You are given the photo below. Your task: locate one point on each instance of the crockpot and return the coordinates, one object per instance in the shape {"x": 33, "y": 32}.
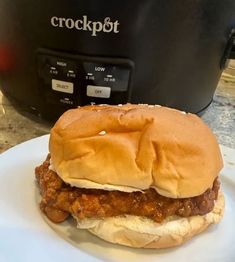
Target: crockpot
{"x": 56, "y": 55}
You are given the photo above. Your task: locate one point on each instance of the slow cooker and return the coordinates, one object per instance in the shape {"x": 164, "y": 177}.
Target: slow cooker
{"x": 56, "y": 55}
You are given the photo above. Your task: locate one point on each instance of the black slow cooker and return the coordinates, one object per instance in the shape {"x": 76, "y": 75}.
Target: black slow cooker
{"x": 56, "y": 55}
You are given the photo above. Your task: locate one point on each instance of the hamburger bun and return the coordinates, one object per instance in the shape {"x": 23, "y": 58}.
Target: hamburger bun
{"x": 133, "y": 148}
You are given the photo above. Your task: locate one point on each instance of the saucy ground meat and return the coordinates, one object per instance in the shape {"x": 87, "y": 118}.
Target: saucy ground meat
{"x": 60, "y": 200}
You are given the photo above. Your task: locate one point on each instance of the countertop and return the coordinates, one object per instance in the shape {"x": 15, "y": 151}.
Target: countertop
{"x": 18, "y": 126}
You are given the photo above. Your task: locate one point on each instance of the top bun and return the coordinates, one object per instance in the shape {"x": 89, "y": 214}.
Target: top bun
{"x": 135, "y": 147}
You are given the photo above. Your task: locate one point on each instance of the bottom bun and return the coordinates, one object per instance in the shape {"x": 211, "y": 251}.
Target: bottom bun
{"x": 142, "y": 232}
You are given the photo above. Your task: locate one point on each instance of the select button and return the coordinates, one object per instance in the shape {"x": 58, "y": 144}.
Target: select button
{"x": 62, "y": 86}
{"x": 98, "y": 91}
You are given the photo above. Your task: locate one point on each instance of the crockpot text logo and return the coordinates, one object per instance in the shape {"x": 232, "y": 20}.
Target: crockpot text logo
{"x": 85, "y": 24}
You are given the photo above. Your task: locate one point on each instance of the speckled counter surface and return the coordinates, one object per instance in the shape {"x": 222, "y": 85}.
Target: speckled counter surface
{"x": 220, "y": 116}
{"x": 17, "y": 127}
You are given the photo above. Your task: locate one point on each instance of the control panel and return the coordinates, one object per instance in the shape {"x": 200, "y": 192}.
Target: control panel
{"x": 71, "y": 80}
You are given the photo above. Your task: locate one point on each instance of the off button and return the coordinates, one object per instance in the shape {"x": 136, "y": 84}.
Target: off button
{"x": 98, "y": 91}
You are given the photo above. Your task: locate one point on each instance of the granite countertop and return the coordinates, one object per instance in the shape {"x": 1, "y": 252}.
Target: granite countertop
{"x": 17, "y": 126}
{"x": 220, "y": 116}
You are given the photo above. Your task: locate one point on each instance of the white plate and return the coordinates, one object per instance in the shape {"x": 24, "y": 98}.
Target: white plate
{"x": 24, "y": 235}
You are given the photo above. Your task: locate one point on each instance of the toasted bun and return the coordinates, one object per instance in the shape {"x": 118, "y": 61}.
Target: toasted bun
{"x": 135, "y": 147}
{"x": 139, "y": 232}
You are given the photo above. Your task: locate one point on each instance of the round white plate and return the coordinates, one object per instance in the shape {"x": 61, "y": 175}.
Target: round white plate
{"x": 25, "y": 236}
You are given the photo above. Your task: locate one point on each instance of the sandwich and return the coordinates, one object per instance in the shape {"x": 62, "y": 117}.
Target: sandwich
{"x": 137, "y": 175}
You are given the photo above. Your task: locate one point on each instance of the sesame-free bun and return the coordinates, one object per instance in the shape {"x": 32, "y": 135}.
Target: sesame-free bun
{"x": 135, "y": 147}
{"x": 142, "y": 232}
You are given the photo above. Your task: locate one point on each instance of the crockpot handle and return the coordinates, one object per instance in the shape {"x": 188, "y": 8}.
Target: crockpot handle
{"x": 229, "y": 52}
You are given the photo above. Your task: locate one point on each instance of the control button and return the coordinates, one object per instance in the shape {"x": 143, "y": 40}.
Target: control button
{"x": 62, "y": 86}
{"x": 71, "y": 73}
{"x": 90, "y": 76}
{"x": 53, "y": 70}
{"x": 98, "y": 91}
{"x": 109, "y": 78}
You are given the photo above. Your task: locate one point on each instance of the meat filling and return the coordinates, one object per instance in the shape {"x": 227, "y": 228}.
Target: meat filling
{"x": 60, "y": 200}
